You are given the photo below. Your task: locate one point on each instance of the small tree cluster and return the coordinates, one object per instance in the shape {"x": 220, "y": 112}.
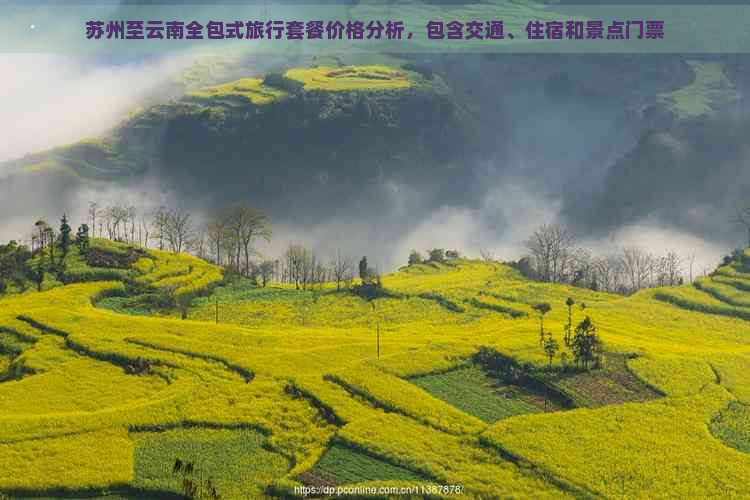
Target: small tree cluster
{"x": 13, "y": 258}
{"x": 583, "y": 341}
{"x": 551, "y": 346}
{"x": 367, "y": 274}
{"x": 415, "y": 258}
{"x": 228, "y": 237}
{"x": 586, "y": 346}
{"x": 436, "y": 255}
{"x": 263, "y": 272}
{"x": 303, "y": 268}
{"x": 342, "y": 268}
{"x": 277, "y": 80}
{"x": 555, "y": 258}
{"x": 82, "y": 239}
{"x": 119, "y": 222}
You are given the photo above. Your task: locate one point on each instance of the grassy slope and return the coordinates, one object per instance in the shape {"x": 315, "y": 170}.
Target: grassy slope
{"x": 472, "y": 391}
{"x": 250, "y": 88}
{"x": 321, "y": 380}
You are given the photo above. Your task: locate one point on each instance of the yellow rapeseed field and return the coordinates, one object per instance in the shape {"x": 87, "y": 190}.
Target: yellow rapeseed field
{"x": 331, "y": 78}
{"x": 302, "y": 369}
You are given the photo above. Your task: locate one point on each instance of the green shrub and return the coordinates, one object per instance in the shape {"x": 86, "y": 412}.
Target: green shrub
{"x": 443, "y": 301}
{"x": 279, "y": 81}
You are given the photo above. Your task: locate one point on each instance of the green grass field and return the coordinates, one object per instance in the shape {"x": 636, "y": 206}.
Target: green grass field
{"x": 732, "y": 426}
{"x": 472, "y": 391}
{"x": 344, "y": 465}
{"x": 234, "y": 460}
{"x": 100, "y": 399}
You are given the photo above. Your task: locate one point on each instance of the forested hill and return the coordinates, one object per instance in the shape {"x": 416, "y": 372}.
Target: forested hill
{"x": 638, "y": 133}
{"x": 328, "y": 127}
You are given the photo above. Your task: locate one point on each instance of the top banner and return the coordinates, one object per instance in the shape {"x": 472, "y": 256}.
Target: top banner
{"x": 498, "y": 27}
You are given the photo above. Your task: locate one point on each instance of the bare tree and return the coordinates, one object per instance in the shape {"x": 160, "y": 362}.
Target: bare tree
{"x": 144, "y": 233}
{"x": 115, "y": 220}
{"x": 93, "y": 214}
{"x": 107, "y": 215}
{"x": 217, "y": 233}
{"x": 198, "y": 244}
{"x": 659, "y": 271}
{"x": 319, "y": 271}
{"x": 581, "y": 268}
{"x": 178, "y": 230}
{"x": 637, "y": 265}
{"x": 265, "y": 271}
{"x": 246, "y": 224}
{"x": 486, "y": 255}
{"x": 608, "y": 272}
{"x": 121, "y": 216}
{"x": 277, "y": 270}
{"x": 298, "y": 263}
{"x": 551, "y": 247}
{"x": 132, "y": 214}
{"x": 341, "y": 267}
{"x": 159, "y": 222}
{"x": 554, "y": 258}
{"x": 669, "y": 269}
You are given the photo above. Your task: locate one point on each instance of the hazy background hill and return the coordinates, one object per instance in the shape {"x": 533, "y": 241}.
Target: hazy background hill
{"x": 472, "y": 157}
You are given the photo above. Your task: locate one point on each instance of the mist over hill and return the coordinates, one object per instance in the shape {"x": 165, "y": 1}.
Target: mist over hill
{"x": 478, "y": 152}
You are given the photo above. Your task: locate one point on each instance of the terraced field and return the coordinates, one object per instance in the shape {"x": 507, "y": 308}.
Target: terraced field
{"x": 319, "y": 78}
{"x": 725, "y": 292}
{"x": 288, "y": 387}
{"x": 250, "y": 88}
{"x": 350, "y": 78}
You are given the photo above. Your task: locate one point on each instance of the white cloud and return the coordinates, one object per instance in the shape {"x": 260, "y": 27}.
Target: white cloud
{"x": 51, "y": 99}
{"x": 658, "y": 240}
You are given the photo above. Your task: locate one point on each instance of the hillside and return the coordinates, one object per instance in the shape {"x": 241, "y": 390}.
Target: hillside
{"x": 332, "y": 127}
{"x": 661, "y": 175}
{"x": 388, "y": 140}
{"x": 287, "y": 386}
